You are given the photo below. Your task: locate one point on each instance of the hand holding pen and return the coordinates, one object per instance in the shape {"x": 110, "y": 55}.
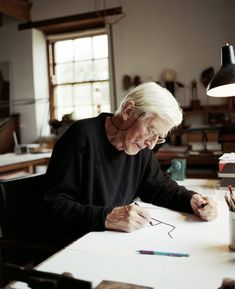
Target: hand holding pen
{"x": 127, "y": 218}
{"x": 204, "y": 206}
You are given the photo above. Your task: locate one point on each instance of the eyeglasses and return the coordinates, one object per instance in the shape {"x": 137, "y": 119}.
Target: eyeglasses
{"x": 154, "y": 136}
{"x": 150, "y": 133}
{"x": 156, "y": 222}
{"x": 160, "y": 140}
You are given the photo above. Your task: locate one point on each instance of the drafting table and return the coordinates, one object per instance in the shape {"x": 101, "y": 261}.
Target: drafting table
{"x": 112, "y": 255}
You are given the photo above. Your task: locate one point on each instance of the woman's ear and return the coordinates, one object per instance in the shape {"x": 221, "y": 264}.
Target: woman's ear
{"x": 128, "y": 109}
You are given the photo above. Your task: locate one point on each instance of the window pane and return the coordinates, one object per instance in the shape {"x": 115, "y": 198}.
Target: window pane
{"x": 101, "y": 69}
{"x": 83, "y": 71}
{"x": 83, "y": 48}
{"x": 106, "y": 108}
{"x": 61, "y": 111}
{"x": 64, "y": 73}
{"x": 100, "y": 46}
{"x": 63, "y": 51}
{"x": 63, "y": 100}
{"x": 101, "y": 97}
{"x": 82, "y": 94}
{"x": 104, "y": 90}
{"x": 83, "y": 111}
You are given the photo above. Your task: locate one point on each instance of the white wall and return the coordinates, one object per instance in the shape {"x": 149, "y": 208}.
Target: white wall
{"x": 16, "y": 49}
{"x": 25, "y": 51}
{"x": 183, "y": 35}
{"x": 41, "y": 84}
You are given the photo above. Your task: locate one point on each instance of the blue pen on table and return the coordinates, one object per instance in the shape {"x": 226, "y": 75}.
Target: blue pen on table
{"x": 160, "y": 253}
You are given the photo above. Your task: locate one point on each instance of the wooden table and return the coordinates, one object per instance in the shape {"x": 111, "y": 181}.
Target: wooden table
{"x": 11, "y": 162}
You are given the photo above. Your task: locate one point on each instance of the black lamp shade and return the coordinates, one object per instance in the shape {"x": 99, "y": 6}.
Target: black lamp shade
{"x": 223, "y": 83}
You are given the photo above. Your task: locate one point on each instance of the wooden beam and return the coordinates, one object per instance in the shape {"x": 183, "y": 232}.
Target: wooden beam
{"x": 16, "y": 8}
{"x": 73, "y": 22}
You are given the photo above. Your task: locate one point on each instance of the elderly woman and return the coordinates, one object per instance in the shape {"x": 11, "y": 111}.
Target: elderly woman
{"x": 102, "y": 164}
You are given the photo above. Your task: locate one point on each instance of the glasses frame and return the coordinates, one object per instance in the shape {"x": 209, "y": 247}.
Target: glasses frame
{"x": 160, "y": 140}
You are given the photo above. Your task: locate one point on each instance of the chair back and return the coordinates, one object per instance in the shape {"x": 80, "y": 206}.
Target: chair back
{"x": 22, "y": 214}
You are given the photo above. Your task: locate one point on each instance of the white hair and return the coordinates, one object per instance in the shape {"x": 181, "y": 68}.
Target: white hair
{"x": 151, "y": 98}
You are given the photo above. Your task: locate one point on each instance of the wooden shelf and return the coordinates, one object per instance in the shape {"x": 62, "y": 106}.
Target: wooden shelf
{"x": 212, "y": 114}
{"x": 209, "y": 120}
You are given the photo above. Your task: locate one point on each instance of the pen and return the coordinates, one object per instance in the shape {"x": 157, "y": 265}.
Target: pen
{"x": 200, "y": 206}
{"x": 160, "y": 253}
{"x": 151, "y": 223}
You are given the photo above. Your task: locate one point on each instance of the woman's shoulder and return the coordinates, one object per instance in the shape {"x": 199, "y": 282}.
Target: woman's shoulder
{"x": 84, "y": 129}
{"x": 87, "y": 125}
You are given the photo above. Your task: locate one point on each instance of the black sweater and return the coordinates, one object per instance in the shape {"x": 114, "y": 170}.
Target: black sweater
{"x": 87, "y": 177}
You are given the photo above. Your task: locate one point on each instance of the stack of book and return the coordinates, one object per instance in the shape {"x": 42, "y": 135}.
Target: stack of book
{"x": 227, "y": 170}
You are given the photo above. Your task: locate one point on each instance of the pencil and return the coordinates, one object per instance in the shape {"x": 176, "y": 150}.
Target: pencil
{"x": 230, "y": 199}
{"x": 230, "y": 191}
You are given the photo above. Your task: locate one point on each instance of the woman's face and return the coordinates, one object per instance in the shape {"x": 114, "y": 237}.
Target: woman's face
{"x": 145, "y": 133}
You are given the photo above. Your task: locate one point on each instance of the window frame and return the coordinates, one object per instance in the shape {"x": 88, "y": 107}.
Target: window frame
{"x": 51, "y": 39}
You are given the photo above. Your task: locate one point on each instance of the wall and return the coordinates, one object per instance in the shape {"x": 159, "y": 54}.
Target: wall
{"x": 153, "y": 36}
{"x": 16, "y": 49}
{"x": 183, "y": 35}
{"x": 41, "y": 84}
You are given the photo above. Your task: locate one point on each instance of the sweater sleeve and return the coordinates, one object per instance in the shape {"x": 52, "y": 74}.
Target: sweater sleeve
{"x": 68, "y": 206}
{"x": 159, "y": 189}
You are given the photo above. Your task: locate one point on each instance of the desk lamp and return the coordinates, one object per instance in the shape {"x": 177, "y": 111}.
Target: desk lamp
{"x": 223, "y": 83}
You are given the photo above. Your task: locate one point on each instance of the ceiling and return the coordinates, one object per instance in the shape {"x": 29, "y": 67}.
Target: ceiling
{"x": 19, "y": 9}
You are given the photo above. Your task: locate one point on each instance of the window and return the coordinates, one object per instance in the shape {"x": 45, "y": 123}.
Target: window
{"x": 79, "y": 75}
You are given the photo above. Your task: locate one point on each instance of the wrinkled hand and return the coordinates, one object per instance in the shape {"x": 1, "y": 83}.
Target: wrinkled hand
{"x": 127, "y": 218}
{"x": 204, "y": 206}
